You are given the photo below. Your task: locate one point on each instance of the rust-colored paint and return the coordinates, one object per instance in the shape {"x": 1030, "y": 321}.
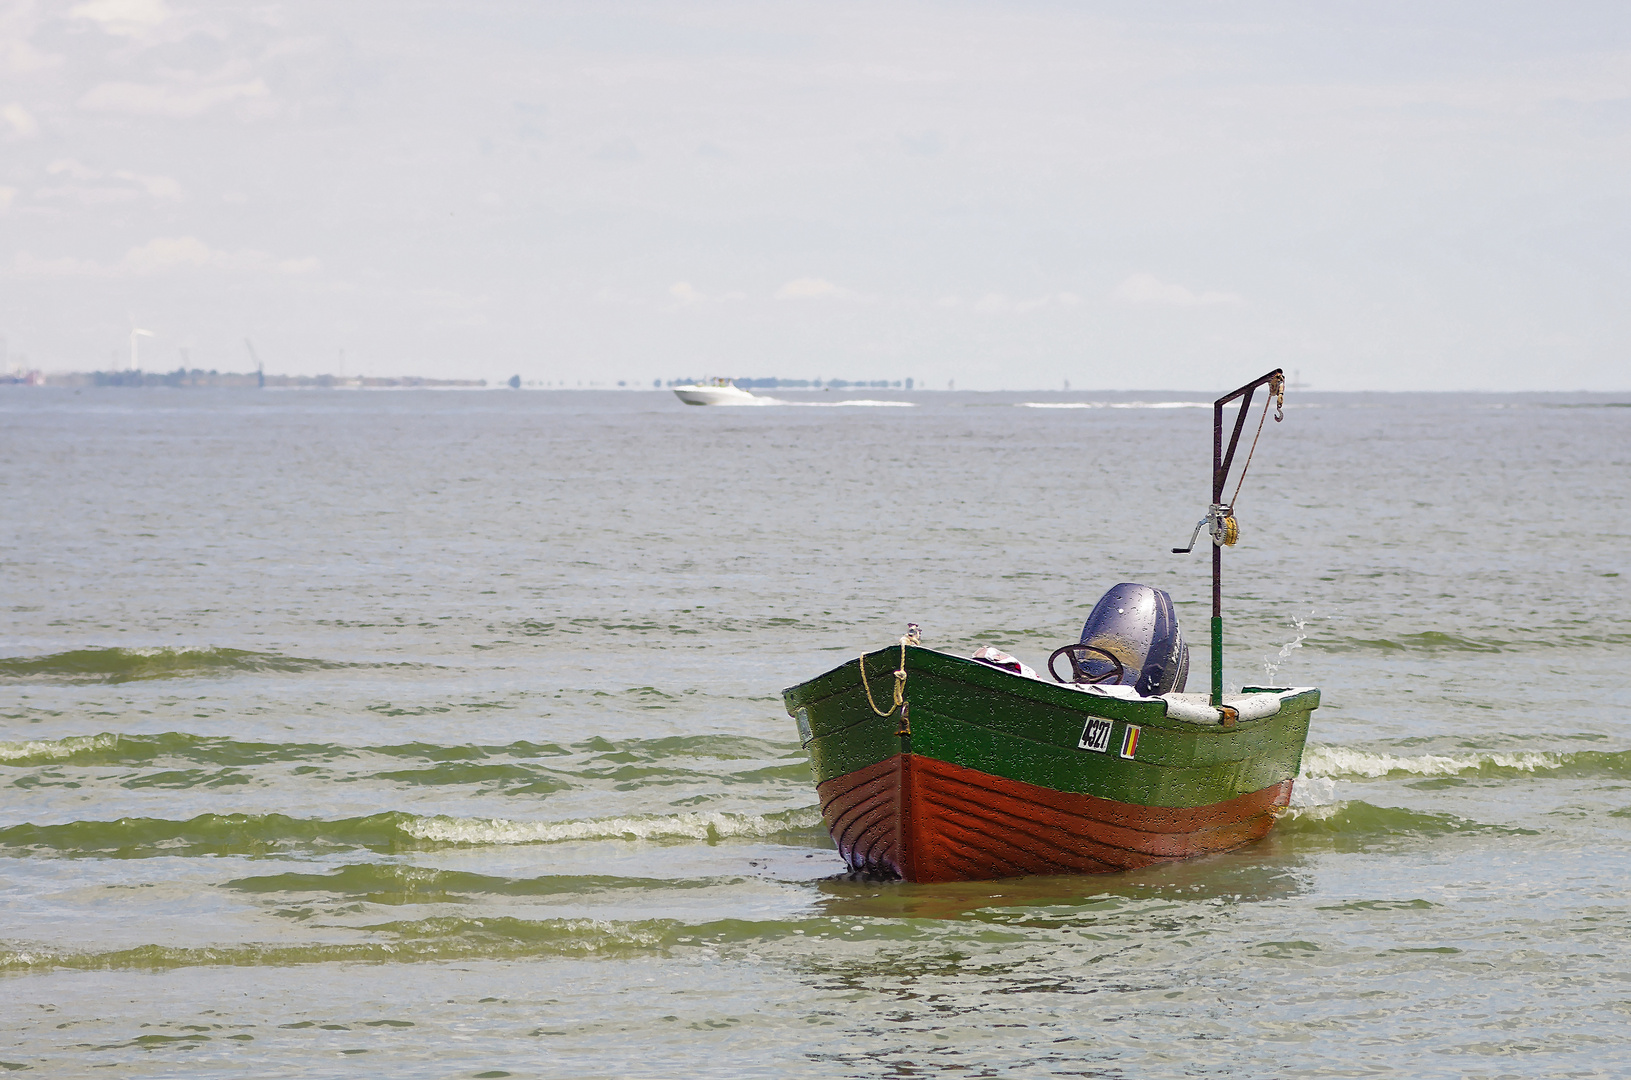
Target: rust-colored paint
{"x": 922, "y": 819}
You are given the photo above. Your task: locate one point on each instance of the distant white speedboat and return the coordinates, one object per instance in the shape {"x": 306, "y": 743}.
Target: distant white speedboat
{"x": 717, "y": 392}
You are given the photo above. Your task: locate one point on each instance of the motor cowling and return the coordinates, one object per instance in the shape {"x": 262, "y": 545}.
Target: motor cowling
{"x": 1137, "y": 624}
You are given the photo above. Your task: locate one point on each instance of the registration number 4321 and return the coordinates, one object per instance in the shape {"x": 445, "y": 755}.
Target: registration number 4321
{"x": 1096, "y": 735}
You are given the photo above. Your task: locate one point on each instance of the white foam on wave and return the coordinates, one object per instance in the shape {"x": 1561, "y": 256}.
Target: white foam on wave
{"x": 1311, "y": 791}
{"x": 687, "y": 826}
{"x": 1113, "y": 405}
{"x": 55, "y": 749}
{"x": 865, "y": 403}
{"x": 1314, "y": 811}
{"x": 1331, "y": 761}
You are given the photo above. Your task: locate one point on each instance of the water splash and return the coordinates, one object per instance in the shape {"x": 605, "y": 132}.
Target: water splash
{"x": 1272, "y": 664}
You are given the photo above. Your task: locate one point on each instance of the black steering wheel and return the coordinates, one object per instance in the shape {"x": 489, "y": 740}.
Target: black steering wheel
{"x": 1078, "y": 663}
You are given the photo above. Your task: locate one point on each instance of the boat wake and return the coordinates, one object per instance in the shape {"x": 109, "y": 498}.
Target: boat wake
{"x": 861, "y": 403}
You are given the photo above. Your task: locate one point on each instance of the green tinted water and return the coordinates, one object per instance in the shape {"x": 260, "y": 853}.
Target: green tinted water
{"x": 440, "y": 735}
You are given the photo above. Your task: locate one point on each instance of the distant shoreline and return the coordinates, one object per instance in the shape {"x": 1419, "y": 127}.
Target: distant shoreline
{"x": 253, "y": 380}
{"x": 250, "y": 379}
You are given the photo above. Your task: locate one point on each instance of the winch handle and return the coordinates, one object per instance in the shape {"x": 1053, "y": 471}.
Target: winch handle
{"x": 1220, "y": 522}
{"x": 1199, "y": 525}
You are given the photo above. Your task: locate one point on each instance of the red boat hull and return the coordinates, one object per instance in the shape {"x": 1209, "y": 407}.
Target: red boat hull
{"x": 921, "y": 819}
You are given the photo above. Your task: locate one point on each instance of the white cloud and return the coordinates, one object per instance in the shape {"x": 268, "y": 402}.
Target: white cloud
{"x": 998, "y": 304}
{"x": 126, "y": 18}
{"x": 165, "y": 253}
{"x": 6, "y": 195}
{"x": 161, "y": 255}
{"x": 1144, "y": 288}
{"x": 685, "y": 294}
{"x": 110, "y": 190}
{"x": 139, "y": 99}
{"x": 809, "y": 288}
{"x": 27, "y": 266}
{"x": 159, "y": 187}
{"x": 88, "y": 194}
{"x": 20, "y": 119}
{"x": 18, "y": 56}
{"x": 73, "y": 168}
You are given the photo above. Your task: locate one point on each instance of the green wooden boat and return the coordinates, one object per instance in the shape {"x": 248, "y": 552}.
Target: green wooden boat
{"x": 935, "y": 767}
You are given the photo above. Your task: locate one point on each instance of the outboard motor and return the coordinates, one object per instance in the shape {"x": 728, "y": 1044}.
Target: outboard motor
{"x": 1131, "y": 639}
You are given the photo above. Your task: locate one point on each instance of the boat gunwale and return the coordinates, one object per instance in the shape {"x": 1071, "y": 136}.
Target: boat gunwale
{"x": 1141, "y": 710}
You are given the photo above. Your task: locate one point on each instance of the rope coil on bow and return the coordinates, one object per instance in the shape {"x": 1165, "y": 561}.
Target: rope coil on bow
{"x": 900, "y": 681}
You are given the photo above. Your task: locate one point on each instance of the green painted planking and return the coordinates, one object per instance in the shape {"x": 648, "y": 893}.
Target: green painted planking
{"x": 973, "y": 715}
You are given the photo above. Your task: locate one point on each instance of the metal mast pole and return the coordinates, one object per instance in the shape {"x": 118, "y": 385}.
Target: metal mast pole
{"x": 1220, "y": 517}
{"x": 1217, "y": 558}
{"x": 1223, "y": 515}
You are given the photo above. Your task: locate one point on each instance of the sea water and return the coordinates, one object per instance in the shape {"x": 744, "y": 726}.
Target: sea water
{"x": 428, "y": 734}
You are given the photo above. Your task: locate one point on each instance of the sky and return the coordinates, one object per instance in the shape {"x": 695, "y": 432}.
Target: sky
{"x": 1121, "y": 195}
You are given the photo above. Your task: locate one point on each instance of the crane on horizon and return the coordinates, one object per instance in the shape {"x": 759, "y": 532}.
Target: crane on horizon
{"x": 260, "y": 369}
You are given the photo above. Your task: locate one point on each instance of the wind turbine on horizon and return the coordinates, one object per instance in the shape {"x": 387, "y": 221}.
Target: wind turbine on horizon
{"x": 136, "y": 332}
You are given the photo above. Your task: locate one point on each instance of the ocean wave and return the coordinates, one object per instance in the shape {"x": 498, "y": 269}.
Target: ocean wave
{"x": 1353, "y": 820}
{"x": 1342, "y": 761}
{"x": 405, "y": 942}
{"x": 1313, "y": 791}
{"x": 116, "y": 748}
{"x": 625, "y": 759}
{"x": 1436, "y": 642}
{"x": 401, "y": 883}
{"x": 118, "y": 665}
{"x": 1428, "y": 641}
{"x": 708, "y": 827}
{"x": 46, "y": 751}
{"x": 471, "y": 938}
{"x": 394, "y": 831}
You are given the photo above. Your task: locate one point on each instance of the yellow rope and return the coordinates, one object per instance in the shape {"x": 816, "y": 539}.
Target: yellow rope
{"x": 1277, "y": 394}
{"x": 900, "y": 682}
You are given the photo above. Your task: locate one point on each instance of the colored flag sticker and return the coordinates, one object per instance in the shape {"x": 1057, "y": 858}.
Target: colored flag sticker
{"x": 1096, "y": 735}
{"x": 1129, "y": 742}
